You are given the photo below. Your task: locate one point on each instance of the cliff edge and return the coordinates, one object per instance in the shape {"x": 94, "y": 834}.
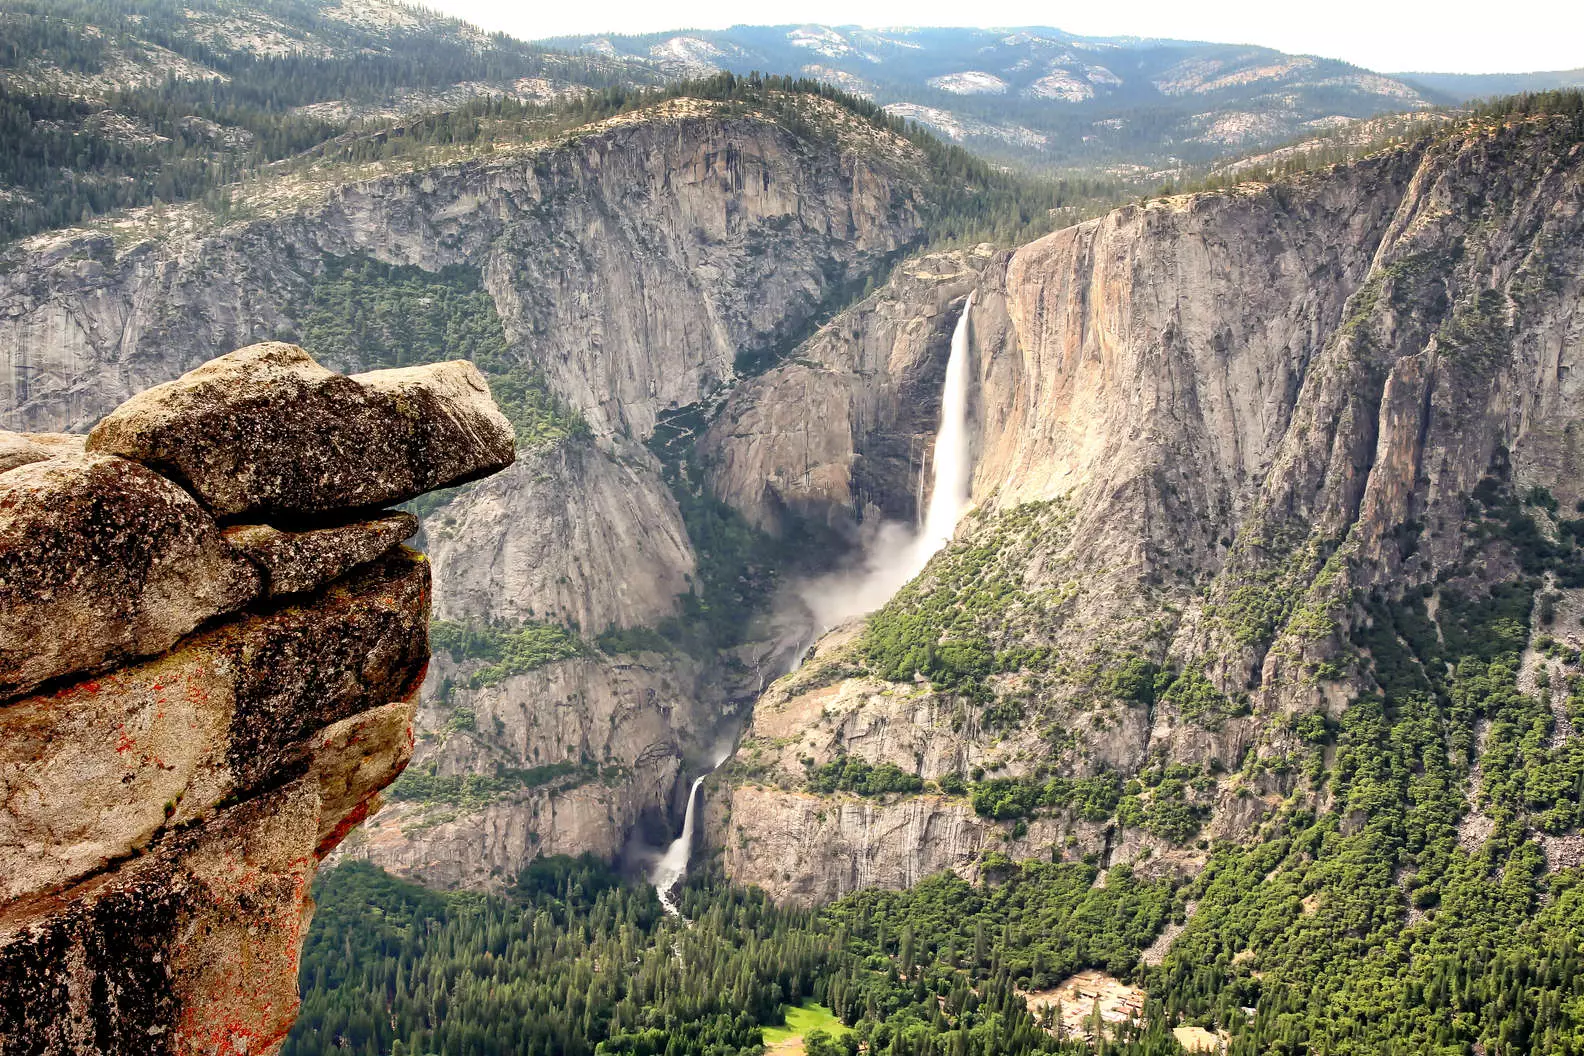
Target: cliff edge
{"x": 211, "y": 642}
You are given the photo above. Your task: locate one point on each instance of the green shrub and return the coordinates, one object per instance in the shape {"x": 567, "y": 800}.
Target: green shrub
{"x": 506, "y": 650}
{"x": 852, "y": 774}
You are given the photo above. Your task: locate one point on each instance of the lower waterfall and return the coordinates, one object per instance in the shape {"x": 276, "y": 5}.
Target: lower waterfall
{"x": 672, "y": 866}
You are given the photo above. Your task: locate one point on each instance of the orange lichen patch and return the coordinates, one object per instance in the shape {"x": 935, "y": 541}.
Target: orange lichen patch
{"x": 235, "y": 958}
{"x": 355, "y": 817}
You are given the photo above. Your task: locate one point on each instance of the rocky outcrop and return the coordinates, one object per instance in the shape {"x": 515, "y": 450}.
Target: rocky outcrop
{"x": 633, "y": 264}
{"x": 218, "y": 708}
{"x": 360, "y": 441}
{"x": 808, "y": 849}
{"x": 293, "y": 562}
{"x": 120, "y": 561}
{"x": 840, "y": 431}
{"x": 18, "y": 449}
{"x": 1255, "y": 407}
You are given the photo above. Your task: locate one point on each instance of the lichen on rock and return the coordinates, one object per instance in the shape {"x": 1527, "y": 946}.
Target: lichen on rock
{"x": 192, "y": 715}
{"x": 103, "y": 560}
{"x": 266, "y": 430}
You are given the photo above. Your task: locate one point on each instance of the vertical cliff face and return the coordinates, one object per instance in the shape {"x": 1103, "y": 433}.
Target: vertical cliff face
{"x": 1232, "y": 416}
{"x": 210, "y": 653}
{"x": 838, "y": 433}
{"x": 632, "y": 263}
{"x": 569, "y": 758}
{"x": 629, "y": 265}
{"x": 585, "y": 534}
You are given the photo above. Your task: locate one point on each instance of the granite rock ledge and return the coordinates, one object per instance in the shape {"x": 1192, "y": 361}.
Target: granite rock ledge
{"x": 211, "y": 644}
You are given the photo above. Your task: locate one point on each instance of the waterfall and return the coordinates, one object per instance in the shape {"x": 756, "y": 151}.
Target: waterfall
{"x": 895, "y": 557}
{"x": 897, "y": 554}
{"x": 672, "y": 866}
{"x": 953, "y": 473}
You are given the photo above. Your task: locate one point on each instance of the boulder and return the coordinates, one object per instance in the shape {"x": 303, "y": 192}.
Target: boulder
{"x": 210, "y": 657}
{"x": 103, "y": 560}
{"x": 294, "y": 562}
{"x": 353, "y": 759}
{"x": 190, "y": 949}
{"x": 21, "y": 449}
{"x": 17, "y": 450}
{"x": 98, "y": 770}
{"x": 266, "y": 431}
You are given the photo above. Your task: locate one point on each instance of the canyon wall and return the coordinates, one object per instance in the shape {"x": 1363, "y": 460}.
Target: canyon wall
{"x": 633, "y": 267}
{"x": 839, "y": 433}
{"x": 211, "y": 643}
{"x": 1210, "y": 428}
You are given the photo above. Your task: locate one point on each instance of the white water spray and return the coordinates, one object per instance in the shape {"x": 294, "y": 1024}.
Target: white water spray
{"x": 953, "y": 474}
{"x": 896, "y": 555}
{"x": 672, "y": 866}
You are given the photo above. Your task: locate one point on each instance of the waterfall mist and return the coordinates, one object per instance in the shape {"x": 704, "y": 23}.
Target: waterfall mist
{"x": 892, "y": 556}
{"x": 895, "y": 554}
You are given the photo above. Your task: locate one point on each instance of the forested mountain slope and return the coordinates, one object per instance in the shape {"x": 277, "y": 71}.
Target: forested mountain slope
{"x": 1252, "y": 680}
{"x": 107, "y": 104}
{"x": 1273, "y": 590}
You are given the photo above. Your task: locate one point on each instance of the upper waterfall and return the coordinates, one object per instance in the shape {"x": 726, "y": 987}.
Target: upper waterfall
{"x": 897, "y": 555}
{"x": 953, "y": 468}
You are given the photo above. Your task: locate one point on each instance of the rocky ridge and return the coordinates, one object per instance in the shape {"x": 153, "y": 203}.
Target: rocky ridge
{"x": 629, "y": 264}
{"x": 1232, "y": 418}
{"x": 197, "y": 704}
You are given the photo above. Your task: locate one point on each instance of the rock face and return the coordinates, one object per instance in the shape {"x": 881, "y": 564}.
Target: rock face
{"x": 566, "y": 759}
{"x": 162, "y": 819}
{"x": 632, "y": 264}
{"x": 1247, "y": 410}
{"x": 114, "y": 559}
{"x": 360, "y": 441}
{"x": 839, "y": 432}
{"x": 809, "y": 849}
{"x": 585, "y": 534}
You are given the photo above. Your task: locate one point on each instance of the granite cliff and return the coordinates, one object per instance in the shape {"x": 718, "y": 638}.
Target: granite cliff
{"x": 211, "y": 643}
{"x": 1216, "y": 434}
{"x": 603, "y": 278}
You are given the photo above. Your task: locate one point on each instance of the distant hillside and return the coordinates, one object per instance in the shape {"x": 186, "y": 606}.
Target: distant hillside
{"x": 325, "y": 58}
{"x": 106, "y": 104}
{"x": 1461, "y": 87}
{"x": 1048, "y": 98}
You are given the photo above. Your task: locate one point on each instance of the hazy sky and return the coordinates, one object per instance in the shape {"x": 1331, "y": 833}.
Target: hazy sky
{"x": 1488, "y": 36}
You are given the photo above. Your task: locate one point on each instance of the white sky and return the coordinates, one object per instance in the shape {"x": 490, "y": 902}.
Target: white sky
{"x": 1463, "y": 36}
